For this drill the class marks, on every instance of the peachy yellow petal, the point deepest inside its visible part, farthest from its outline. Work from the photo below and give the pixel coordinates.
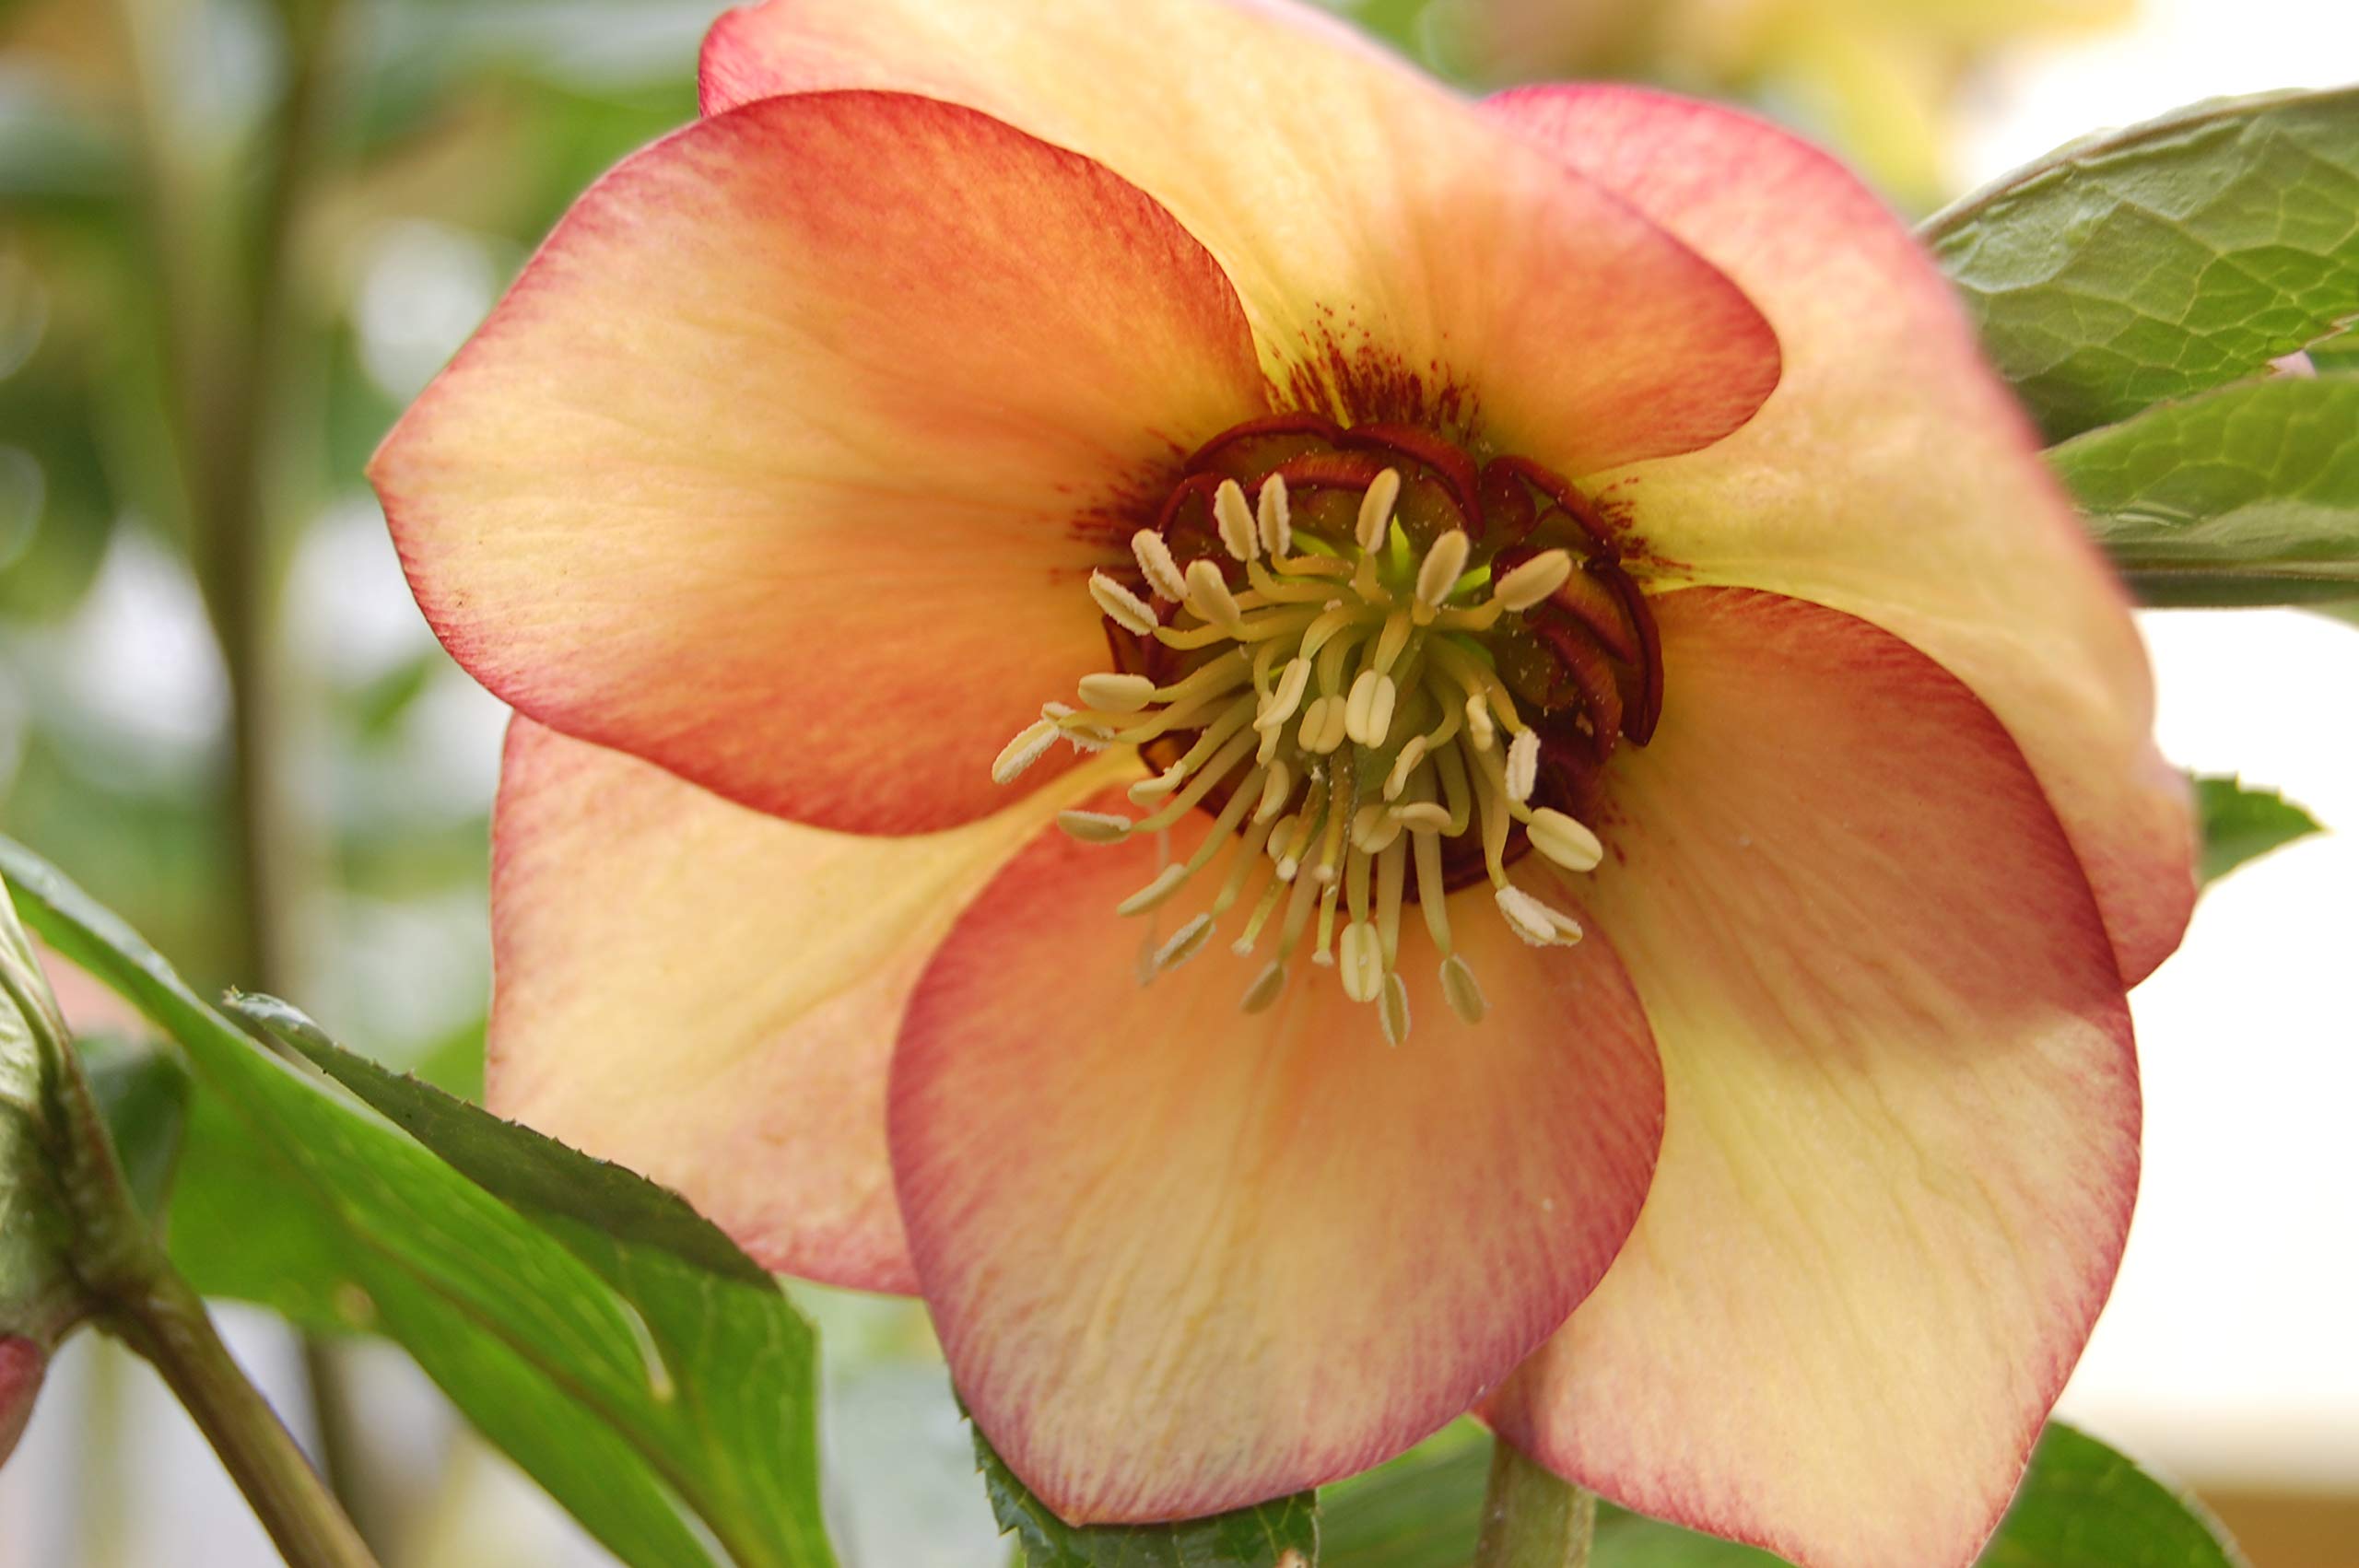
(1901, 1142)
(1892, 476)
(1184, 1257)
(784, 461)
(709, 995)
(1402, 258)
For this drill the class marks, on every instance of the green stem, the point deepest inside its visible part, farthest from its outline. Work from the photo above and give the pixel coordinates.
(226, 326)
(1532, 1518)
(167, 1324)
(125, 1283)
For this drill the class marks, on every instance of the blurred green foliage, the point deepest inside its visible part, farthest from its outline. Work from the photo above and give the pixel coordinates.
(1879, 80)
(236, 238)
(151, 159)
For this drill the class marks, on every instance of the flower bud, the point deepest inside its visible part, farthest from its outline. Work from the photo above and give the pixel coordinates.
(21, 1364)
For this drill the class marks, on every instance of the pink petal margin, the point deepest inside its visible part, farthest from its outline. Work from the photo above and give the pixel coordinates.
(1183, 1258)
(1901, 1146)
(794, 416)
(1891, 475)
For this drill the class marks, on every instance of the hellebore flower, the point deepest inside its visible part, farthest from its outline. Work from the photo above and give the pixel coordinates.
(1550, 580)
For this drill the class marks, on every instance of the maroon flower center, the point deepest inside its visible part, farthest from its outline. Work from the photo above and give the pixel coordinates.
(1386, 670)
(1585, 664)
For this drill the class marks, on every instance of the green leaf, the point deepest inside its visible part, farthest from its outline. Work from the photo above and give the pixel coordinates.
(599, 1208)
(39, 1295)
(631, 1382)
(2080, 1506)
(2084, 1505)
(2165, 259)
(143, 1091)
(1423, 1510)
(2242, 823)
(1629, 1540)
(232, 1233)
(2249, 494)
(2336, 355)
(1284, 1534)
(741, 1357)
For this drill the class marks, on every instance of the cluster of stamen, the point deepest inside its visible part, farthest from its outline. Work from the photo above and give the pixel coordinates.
(1337, 706)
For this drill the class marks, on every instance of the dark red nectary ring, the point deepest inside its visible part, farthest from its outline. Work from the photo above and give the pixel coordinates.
(1386, 670)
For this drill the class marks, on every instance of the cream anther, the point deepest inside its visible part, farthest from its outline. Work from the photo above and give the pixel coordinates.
(1564, 840)
(1267, 987)
(1379, 710)
(1534, 921)
(1334, 725)
(1460, 989)
(1376, 510)
(1404, 767)
(1276, 520)
(1479, 728)
(1021, 753)
(1166, 883)
(1444, 564)
(1534, 580)
(1367, 715)
(1117, 694)
(1122, 607)
(1095, 827)
(1086, 735)
(1156, 562)
(1292, 682)
(1235, 519)
(1523, 764)
(1277, 789)
(1314, 724)
(1185, 943)
(1360, 961)
(1209, 597)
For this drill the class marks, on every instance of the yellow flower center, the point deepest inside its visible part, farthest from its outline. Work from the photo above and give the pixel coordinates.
(1340, 692)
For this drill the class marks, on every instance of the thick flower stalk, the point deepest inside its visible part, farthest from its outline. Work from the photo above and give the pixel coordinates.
(1320, 757)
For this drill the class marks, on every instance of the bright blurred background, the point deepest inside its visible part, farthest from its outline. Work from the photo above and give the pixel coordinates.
(237, 235)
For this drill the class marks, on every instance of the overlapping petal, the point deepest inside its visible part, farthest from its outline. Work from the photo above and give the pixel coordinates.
(1890, 475)
(1401, 258)
(709, 995)
(1903, 1114)
(793, 418)
(1183, 1257)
